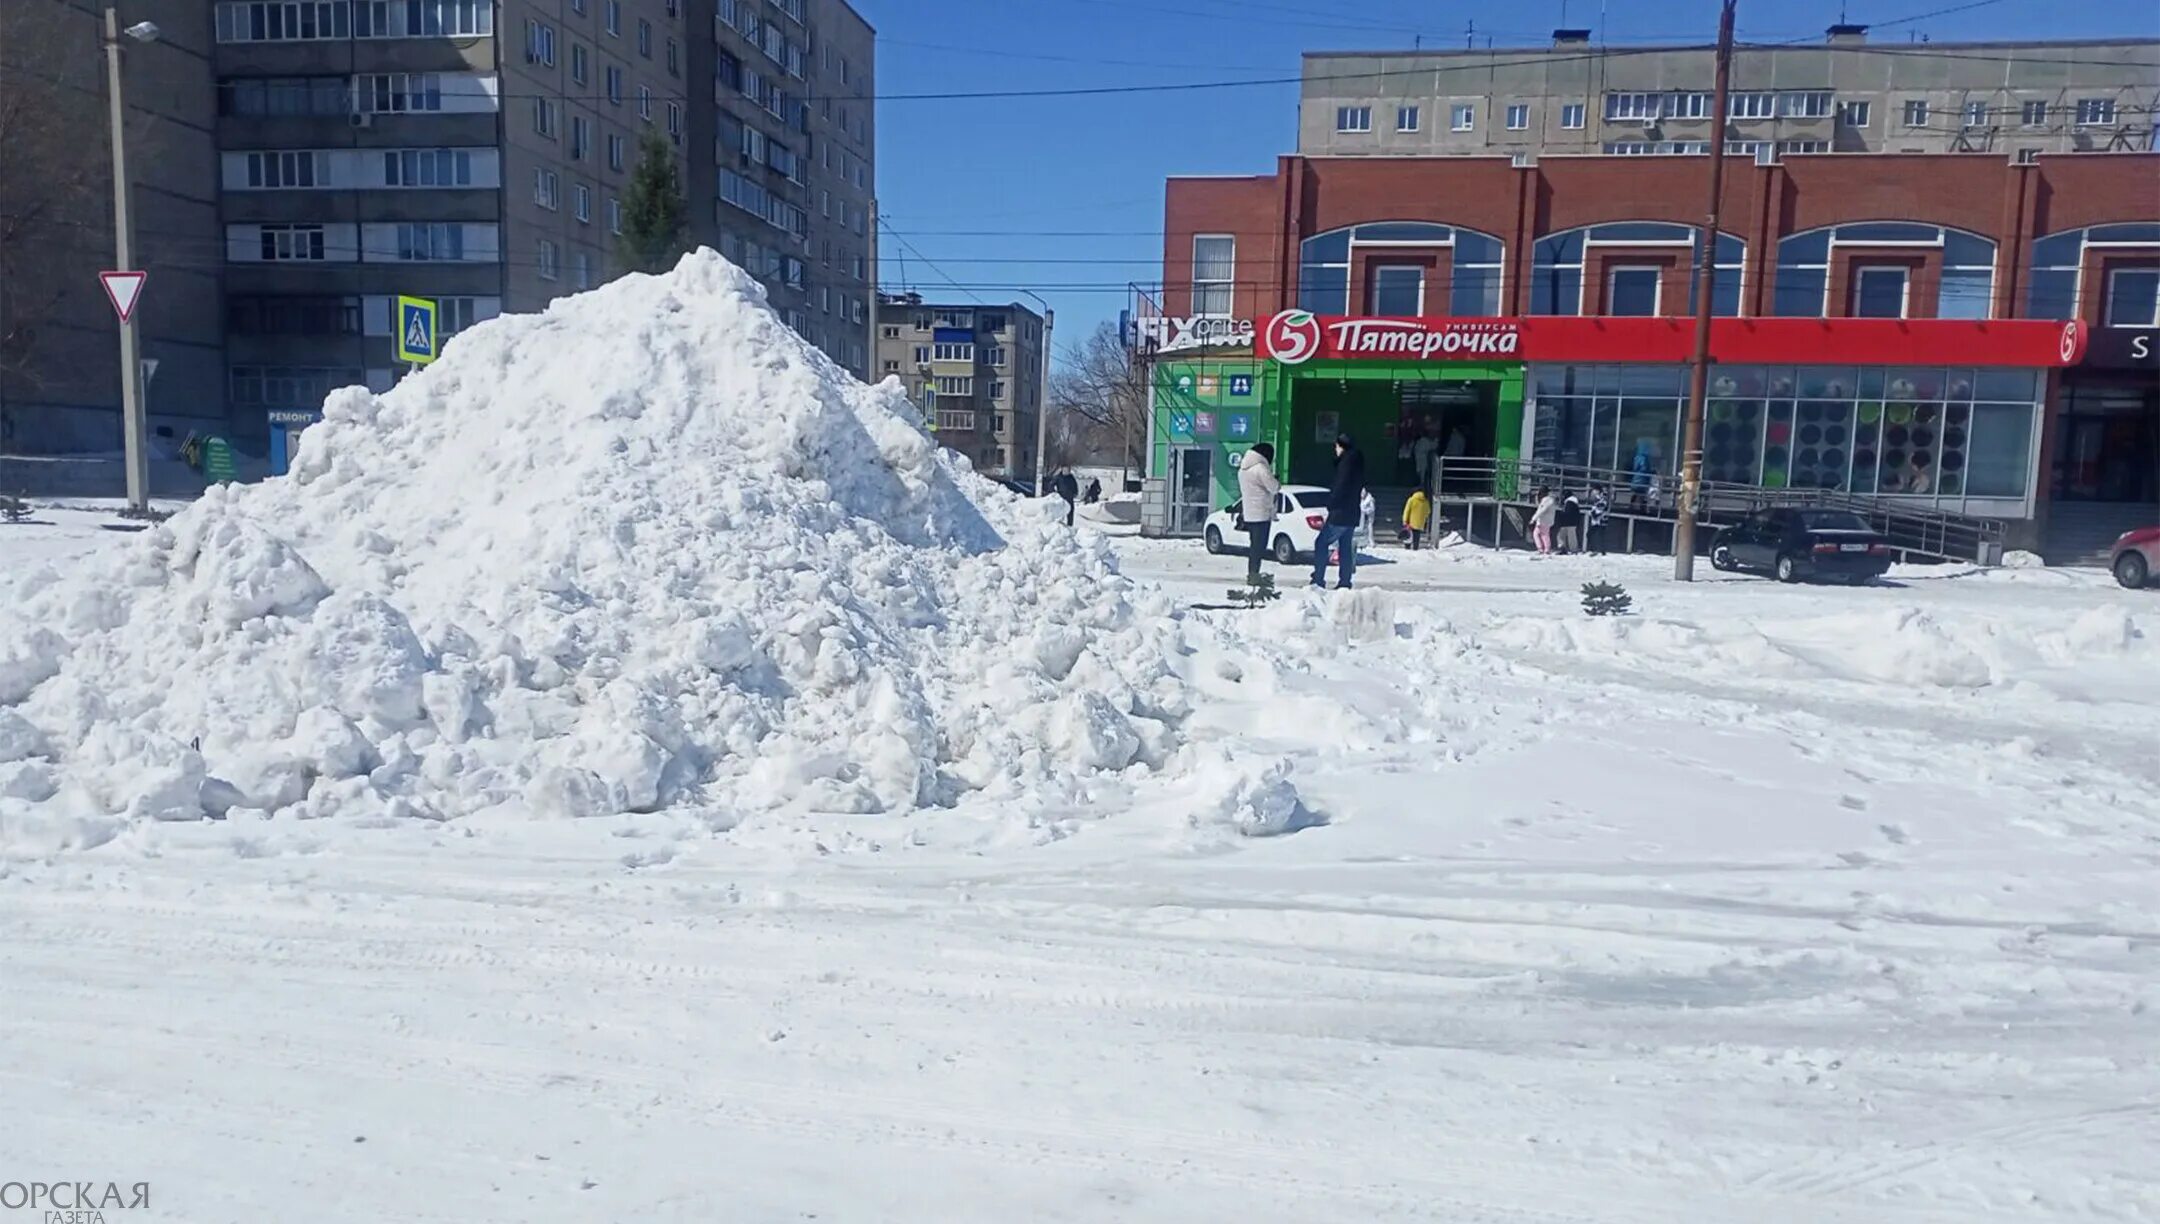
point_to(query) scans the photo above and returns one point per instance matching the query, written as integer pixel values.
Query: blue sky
(1064, 195)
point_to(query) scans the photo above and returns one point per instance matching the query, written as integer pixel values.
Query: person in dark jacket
(1570, 525)
(1094, 492)
(1594, 517)
(1345, 507)
(1069, 489)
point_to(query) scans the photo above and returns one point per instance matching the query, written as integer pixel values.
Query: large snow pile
(647, 549)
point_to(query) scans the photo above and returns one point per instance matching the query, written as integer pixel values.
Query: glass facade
(1942, 433)
(1804, 260)
(1473, 288)
(1557, 262)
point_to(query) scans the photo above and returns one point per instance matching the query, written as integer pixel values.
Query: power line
(905, 244)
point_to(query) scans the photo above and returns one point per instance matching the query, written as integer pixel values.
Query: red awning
(1294, 337)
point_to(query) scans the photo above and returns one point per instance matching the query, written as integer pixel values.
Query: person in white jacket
(1257, 490)
(1541, 520)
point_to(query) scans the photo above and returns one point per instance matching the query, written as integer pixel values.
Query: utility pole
(1042, 394)
(1705, 287)
(133, 421)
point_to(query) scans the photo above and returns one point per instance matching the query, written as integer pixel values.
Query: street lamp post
(134, 423)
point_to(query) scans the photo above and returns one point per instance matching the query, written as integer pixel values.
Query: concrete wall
(2002, 77)
(59, 342)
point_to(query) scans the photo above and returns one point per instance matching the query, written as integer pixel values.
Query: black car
(1803, 544)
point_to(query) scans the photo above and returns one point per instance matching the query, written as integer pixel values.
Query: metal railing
(1911, 530)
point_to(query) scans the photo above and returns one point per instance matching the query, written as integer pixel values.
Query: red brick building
(1972, 238)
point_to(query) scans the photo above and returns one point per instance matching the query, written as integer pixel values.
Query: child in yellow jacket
(1416, 515)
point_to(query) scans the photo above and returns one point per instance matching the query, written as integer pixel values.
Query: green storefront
(1208, 411)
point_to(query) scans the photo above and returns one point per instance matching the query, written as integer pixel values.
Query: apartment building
(59, 341)
(1843, 95)
(790, 190)
(975, 371)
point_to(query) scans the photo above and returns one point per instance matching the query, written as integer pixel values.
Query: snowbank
(645, 550)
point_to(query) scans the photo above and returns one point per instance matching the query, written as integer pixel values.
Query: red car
(2136, 557)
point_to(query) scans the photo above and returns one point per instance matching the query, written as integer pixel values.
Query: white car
(1300, 513)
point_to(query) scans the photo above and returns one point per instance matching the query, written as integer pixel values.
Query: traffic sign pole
(134, 423)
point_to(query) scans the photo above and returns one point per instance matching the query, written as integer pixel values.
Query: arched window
(2058, 270)
(1883, 289)
(1477, 263)
(1557, 279)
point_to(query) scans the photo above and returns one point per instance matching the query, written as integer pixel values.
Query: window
(674, 122)
(1975, 114)
(1633, 291)
(581, 263)
(994, 356)
(1804, 260)
(1406, 118)
(996, 390)
(1853, 114)
(2133, 298)
(2033, 114)
(611, 16)
(1353, 118)
(1572, 116)
(1801, 146)
(615, 152)
(291, 243)
(1879, 293)
(1214, 268)
(547, 190)
(384, 93)
(578, 7)
(430, 241)
(953, 384)
(614, 215)
(539, 43)
(614, 78)
(1916, 112)
(644, 103)
(336, 20)
(1625, 106)
(674, 58)
(952, 352)
(922, 354)
(547, 264)
(644, 38)
(270, 171)
(1804, 104)
(1752, 106)
(265, 96)
(546, 115)
(1397, 289)
(293, 316)
(2095, 112)
(427, 168)
(579, 63)
(1518, 116)
(995, 324)
(580, 137)
(1462, 117)
(889, 333)
(581, 203)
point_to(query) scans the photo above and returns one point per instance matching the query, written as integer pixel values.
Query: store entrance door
(2106, 449)
(1192, 485)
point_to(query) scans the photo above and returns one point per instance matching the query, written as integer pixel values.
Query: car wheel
(1214, 541)
(1721, 559)
(1285, 551)
(2130, 570)
(1788, 569)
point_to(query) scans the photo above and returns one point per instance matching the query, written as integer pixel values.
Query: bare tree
(1098, 405)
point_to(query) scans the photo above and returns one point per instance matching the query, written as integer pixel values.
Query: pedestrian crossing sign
(416, 335)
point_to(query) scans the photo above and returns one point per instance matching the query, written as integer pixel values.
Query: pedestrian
(1600, 506)
(1642, 473)
(1416, 514)
(1423, 451)
(1657, 495)
(1069, 489)
(1541, 520)
(1094, 492)
(1345, 511)
(1258, 488)
(1569, 521)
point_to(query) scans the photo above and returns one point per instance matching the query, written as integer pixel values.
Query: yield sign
(125, 289)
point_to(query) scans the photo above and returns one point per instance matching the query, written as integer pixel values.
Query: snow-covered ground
(1767, 903)
(626, 774)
